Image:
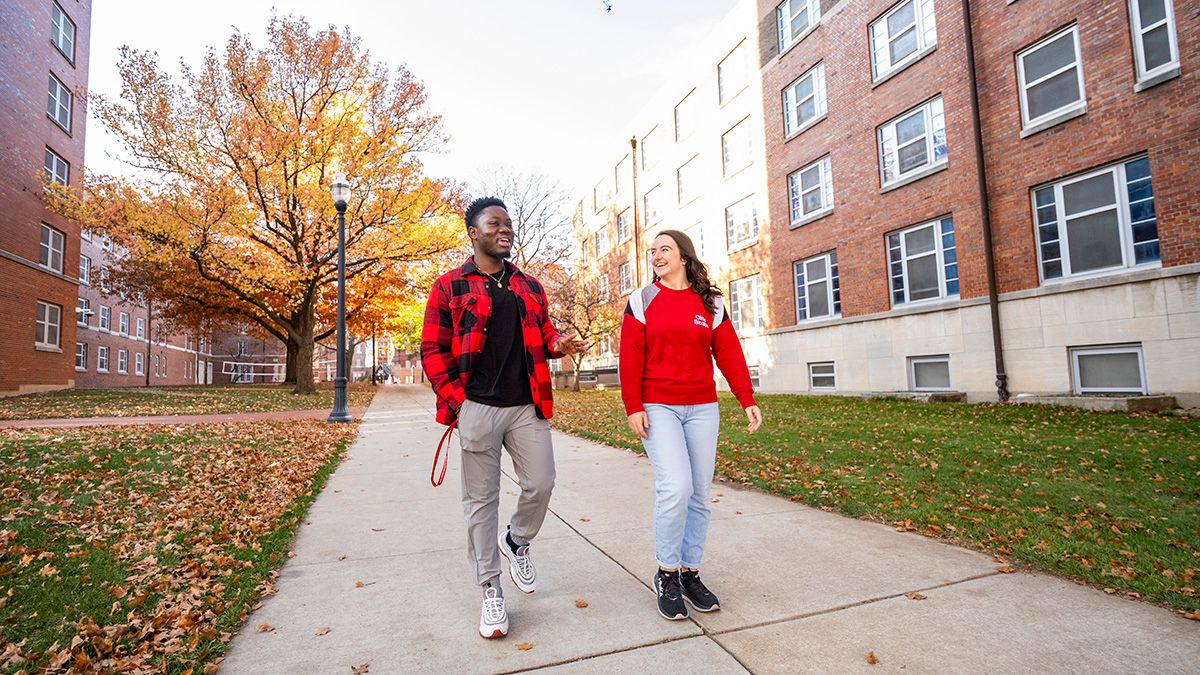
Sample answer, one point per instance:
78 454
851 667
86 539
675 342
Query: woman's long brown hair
697 271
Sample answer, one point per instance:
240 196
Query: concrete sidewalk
801 590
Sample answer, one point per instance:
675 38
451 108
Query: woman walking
671 332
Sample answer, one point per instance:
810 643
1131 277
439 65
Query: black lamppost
340 191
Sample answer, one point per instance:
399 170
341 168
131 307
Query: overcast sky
538 84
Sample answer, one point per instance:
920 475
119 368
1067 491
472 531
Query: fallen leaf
360 668
265 628
359 584
341 557
291 554
581 603
585 520
1194 616
324 631
871 658
378 529
525 646
913 595
1004 569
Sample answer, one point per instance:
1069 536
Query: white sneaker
493 620
520 566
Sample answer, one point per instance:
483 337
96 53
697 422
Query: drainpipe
637 230
985 209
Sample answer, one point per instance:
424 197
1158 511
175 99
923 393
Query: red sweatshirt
668 342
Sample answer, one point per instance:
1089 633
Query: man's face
492 233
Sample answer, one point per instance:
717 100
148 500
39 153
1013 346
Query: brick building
872 267
43 66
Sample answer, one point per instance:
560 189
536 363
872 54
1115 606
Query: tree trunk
577 361
304 327
289 376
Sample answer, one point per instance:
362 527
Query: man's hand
639 423
754 414
569 345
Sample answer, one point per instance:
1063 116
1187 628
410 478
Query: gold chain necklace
500 281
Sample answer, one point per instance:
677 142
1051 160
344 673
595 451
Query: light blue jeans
682 446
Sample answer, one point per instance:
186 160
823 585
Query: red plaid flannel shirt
456 318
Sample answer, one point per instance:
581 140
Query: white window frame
832 287
598 201
939 251
141 328
123 323
139 363
812 376
737 147
123 361
62 32
83 308
57 168
783 22
156 365
684 111
48 318
85 270
650 205
937 358
625 273
925 26
622 168
105 321
1052 117
1077 383
600 238
602 289
746 285
687 167
51 248
1148 78
824 169
58 108
733 74
81 350
1124 224
102 359
735 212
792 125
624 226
932 111
647 163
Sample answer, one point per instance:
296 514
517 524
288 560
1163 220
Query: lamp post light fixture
340 191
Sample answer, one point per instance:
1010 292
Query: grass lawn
182 400
142 547
1110 499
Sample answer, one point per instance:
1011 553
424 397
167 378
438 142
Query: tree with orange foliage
233 217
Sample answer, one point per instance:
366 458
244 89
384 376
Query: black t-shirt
499 376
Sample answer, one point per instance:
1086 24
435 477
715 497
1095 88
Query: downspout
637 230
985 209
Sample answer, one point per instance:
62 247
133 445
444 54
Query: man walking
484 347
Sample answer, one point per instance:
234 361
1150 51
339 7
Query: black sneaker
670 595
696 593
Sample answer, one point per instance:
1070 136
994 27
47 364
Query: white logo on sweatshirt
700 320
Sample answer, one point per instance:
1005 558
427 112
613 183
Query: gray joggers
483 429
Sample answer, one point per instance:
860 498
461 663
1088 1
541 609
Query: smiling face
666 260
492 233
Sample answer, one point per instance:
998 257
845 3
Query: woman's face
665 257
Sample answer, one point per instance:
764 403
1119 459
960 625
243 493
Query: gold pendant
499 285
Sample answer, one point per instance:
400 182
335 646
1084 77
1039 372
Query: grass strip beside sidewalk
181 400
1110 499
143 548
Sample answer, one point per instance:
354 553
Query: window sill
742 246
806 126
945 299
731 174
122 372
1153 80
912 178
1084 278
65 130
102 370
80 370
1058 118
812 217
47 348
904 65
800 38
733 97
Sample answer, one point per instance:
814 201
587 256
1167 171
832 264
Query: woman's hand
639 423
753 413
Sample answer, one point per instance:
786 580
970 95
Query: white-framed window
1108 369
62 31
48 327
685 118
604 345
1155 46
1098 222
794 18
651 205
929 373
105 317
156 365
650 266
122 361
901 35
737 147
755 372
58 103
104 279
625 273
598 197
923 262
696 234
620 172
804 100
102 359
139 364
818 290
123 323
50 253
647 148
141 328
57 168
600 240
624 226
187 370
81 350
85 270
810 191
85 234
913 142
822 376
1050 79
687 180
83 309
602 288
241 350
733 73
745 303
741 223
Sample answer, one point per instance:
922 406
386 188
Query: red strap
445 458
